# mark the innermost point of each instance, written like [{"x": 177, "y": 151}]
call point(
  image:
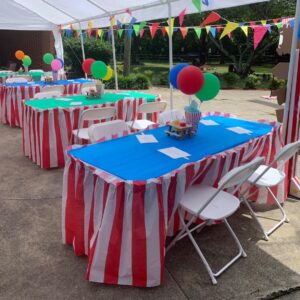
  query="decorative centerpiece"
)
[
  {"x": 100, "y": 88},
  {"x": 92, "y": 93},
  {"x": 193, "y": 115},
  {"x": 48, "y": 79},
  {"x": 179, "y": 129}
]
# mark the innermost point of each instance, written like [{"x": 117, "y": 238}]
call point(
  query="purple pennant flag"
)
[
  {"x": 129, "y": 32},
  {"x": 133, "y": 20},
  {"x": 269, "y": 28},
  {"x": 119, "y": 24},
  {"x": 109, "y": 35}
]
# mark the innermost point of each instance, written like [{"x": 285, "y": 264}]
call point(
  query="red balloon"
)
[
  {"x": 86, "y": 65},
  {"x": 190, "y": 80}
]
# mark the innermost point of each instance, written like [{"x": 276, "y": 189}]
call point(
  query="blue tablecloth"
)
[
  {"x": 128, "y": 159},
  {"x": 43, "y": 83}
]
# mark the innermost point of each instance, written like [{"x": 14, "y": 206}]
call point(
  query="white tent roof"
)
[{"x": 46, "y": 14}]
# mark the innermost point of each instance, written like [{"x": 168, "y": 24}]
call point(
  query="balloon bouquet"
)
[
  {"x": 26, "y": 60},
  {"x": 190, "y": 80},
  {"x": 98, "y": 70},
  {"x": 55, "y": 63}
]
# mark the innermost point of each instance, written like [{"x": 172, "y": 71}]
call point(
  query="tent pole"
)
[
  {"x": 82, "y": 45},
  {"x": 170, "y": 50},
  {"x": 114, "y": 56}
]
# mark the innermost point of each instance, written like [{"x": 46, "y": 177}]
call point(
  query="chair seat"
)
[
  {"x": 271, "y": 178},
  {"x": 222, "y": 206},
  {"x": 83, "y": 133},
  {"x": 140, "y": 124}
]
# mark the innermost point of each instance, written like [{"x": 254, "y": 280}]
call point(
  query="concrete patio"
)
[{"x": 35, "y": 265}]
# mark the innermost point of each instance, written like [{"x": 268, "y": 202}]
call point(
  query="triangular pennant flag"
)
[
  {"x": 119, "y": 24},
  {"x": 68, "y": 33},
  {"x": 78, "y": 33},
  {"x": 207, "y": 28},
  {"x": 229, "y": 35},
  {"x": 269, "y": 28},
  {"x": 219, "y": 28},
  {"x": 142, "y": 32},
  {"x": 213, "y": 31},
  {"x": 241, "y": 24},
  {"x": 153, "y": 29},
  {"x": 197, "y": 4},
  {"x": 275, "y": 21},
  {"x": 279, "y": 25},
  {"x": 172, "y": 23},
  {"x": 72, "y": 27},
  {"x": 213, "y": 17},
  {"x": 136, "y": 29},
  {"x": 167, "y": 28},
  {"x": 129, "y": 32},
  {"x": 132, "y": 21},
  {"x": 198, "y": 32},
  {"x": 89, "y": 32},
  {"x": 112, "y": 20},
  {"x": 181, "y": 17},
  {"x": 259, "y": 33},
  {"x": 245, "y": 30},
  {"x": 230, "y": 26},
  {"x": 263, "y": 22},
  {"x": 292, "y": 23},
  {"x": 90, "y": 24},
  {"x": 163, "y": 31},
  {"x": 252, "y": 24},
  {"x": 142, "y": 25},
  {"x": 184, "y": 31},
  {"x": 120, "y": 32},
  {"x": 100, "y": 32}
]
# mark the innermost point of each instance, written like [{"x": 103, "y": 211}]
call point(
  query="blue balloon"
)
[
  {"x": 174, "y": 73},
  {"x": 62, "y": 62}
]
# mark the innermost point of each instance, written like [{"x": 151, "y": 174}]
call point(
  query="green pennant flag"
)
[
  {"x": 279, "y": 25},
  {"x": 120, "y": 32},
  {"x": 136, "y": 29},
  {"x": 142, "y": 25},
  {"x": 198, "y": 32},
  {"x": 197, "y": 4}
]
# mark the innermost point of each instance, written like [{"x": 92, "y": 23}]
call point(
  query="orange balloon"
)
[{"x": 19, "y": 54}]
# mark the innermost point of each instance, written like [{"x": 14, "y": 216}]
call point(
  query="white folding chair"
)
[
  {"x": 106, "y": 129},
  {"x": 92, "y": 114},
  {"x": 169, "y": 116},
  {"x": 146, "y": 108},
  {"x": 267, "y": 177},
  {"x": 52, "y": 88},
  {"x": 16, "y": 79},
  {"x": 45, "y": 95},
  {"x": 211, "y": 204}
]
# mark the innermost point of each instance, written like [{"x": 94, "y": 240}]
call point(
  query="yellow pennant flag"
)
[
  {"x": 230, "y": 26},
  {"x": 90, "y": 24},
  {"x": 172, "y": 24},
  {"x": 245, "y": 29},
  {"x": 100, "y": 32},
  {"x": 167, "y": 28},
  {"x": 263, "y": 22},
  {"x": 112, "y": 21},
  {"x": 207, "y": 28}
]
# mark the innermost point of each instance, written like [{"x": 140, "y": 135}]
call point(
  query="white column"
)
[
  {"x": 170, "y": 50},
  {"x": 82, "y": 45},
  {"x": 114, "y": 56}
]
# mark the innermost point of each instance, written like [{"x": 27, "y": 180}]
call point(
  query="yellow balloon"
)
[{"x": 108, "y": 74}]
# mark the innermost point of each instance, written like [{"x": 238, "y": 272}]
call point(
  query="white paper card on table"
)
[
  {"x": 63, "y": 99},
  {"x": 75, "y": 103},
  {"x": 209, "y": 123},
  {"x": 174, "y": 152},
  {"x": 146, "y": 138},
  {"x": 239, "y": 130}
]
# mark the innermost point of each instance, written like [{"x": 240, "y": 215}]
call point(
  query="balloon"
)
[
  {"x": 56, "y": 65},
  {"x": 62, "y": 62},
  {"x": 174, "y": 74},
  {"x": 48, "y": 58},
  {"x": 86, "y": 65},
  {"x": 99, "y": 69},
  {"x": 19, "y": 54},
  {"x": 190, "y": 80},
  {"x": 210, "y": 88},
  {"x": 109, "y": 74},
  {"x": 26, "y": 60}
]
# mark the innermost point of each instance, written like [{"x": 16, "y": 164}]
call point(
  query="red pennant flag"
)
[
  {"x": 259, "y": 33},
  {"x": 142, "y": 32},
  {"x": 275, "y": 21},
  {"x": 252, "y": 24},
  {"x": 213, "y": 17},
  {"x": 89, "y": 32},
  {"x": 163, "y": 31},
  {"x": 181, "y": 17},
  {"x": 153, "y": 28},
  {"x": 184, "y": 31},
  {"x": 219, "y": 28}
]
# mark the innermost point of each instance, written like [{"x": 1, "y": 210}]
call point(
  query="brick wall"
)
[{"x": 33, "y": 43}]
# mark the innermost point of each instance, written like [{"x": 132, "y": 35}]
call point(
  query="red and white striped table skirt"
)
[
  {"x": 47, "y": 133},
  {"x": 11, "y": 98},
  {"x": 122, "y": 225}
]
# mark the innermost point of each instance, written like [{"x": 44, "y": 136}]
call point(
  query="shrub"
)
[
  {"x": 276, "y": 84},
  {"x": 231, "y": 79},
  {"x": 252, "y": 82},
  {"x": 131, "y": 82},
  {"x": 161, "y": 79}
]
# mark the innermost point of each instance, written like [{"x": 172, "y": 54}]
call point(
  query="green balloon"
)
[
  {"x": 26, "y": 61},
  {"x": 99, "y": 69},
  {"x": 210, "y": 88},
  {"x": 47, "y": 58}
]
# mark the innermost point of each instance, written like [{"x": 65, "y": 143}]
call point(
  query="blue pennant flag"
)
[
  {"x": 119, "y": 24},
  {"x": 292, "y": 23},
  {"x": 205, "y": 2},
  {"x": 133, "y": 20},
  {"x": 68, "y": 33},
  {"x": 109, "y": 35},
  {"x": 129, "y": 32},
  {"x": 213, "y": 31}
]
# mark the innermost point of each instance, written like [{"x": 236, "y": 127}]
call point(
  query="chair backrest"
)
[
  {"x": 287, "y": 152},
  {"x": 238, "y": 175},
  {"x": 16, "y": 79},
  {"x": 97, "y": 114},
  {"x": 86, "y": 89},
  {"x": 52, "y": 88},
  {"x": 50, "y": 94},
  {"x": 36, "y": 70},
  {"x": 152, "y": 107},
  {"x": 106, "y": 129},
  {"x": 170, "y": 115},
  {"x": 6, "y": 71}
]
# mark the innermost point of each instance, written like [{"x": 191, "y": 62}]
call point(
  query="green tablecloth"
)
[
  {"x": 35, "y": 75},
  {"x": 81, "y": 100}
]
